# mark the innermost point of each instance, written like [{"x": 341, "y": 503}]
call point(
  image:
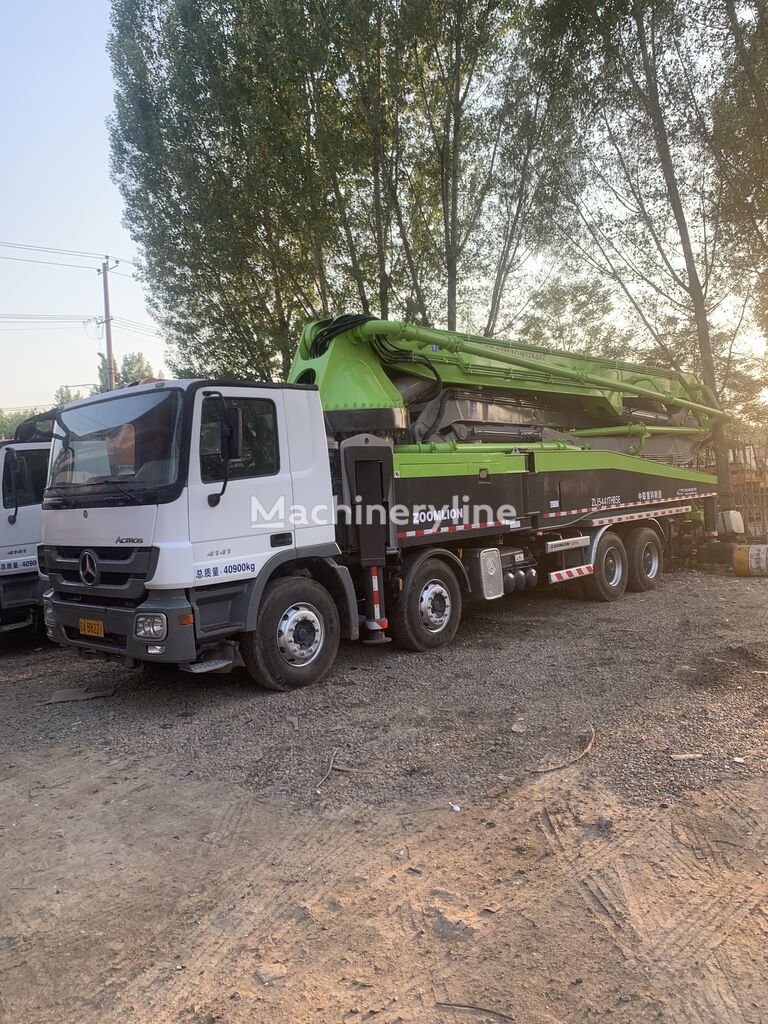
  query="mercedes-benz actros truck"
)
[{"x": 400, "y": 473}]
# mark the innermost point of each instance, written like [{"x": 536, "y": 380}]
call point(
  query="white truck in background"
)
[{"x": 23, "y": 472}]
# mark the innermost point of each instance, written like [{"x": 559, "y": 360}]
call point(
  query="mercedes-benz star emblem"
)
[{"x": 89, "y": 571}]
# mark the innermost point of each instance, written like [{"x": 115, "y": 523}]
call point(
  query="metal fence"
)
[{"x": 749, "y": 480}]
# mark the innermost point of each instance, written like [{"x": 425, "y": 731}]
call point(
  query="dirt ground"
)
[{"x": 385, "y": 847}]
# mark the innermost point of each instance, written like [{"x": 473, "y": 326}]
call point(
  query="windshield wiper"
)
[
  {"x": 60, "y": 497},
  {"x": 124, "y": 490}
]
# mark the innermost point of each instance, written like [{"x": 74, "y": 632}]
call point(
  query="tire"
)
[
  {"x": 609, "y": 577},
  {"x": 296, "y": 637},
  {"x": 646, "y": 559},
  {"x": 428, "y": 612}
]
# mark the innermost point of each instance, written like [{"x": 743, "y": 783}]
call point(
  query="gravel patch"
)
[{"x": 679, "y": 671}]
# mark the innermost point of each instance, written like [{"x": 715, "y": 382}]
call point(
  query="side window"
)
[
  {"x": 37, "y": 467},
  {"x": 259, "y": 455}
]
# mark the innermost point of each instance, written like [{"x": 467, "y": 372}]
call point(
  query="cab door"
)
[
  {"x": 19, "y": 538},
  {"x": 234, "y": 537}
]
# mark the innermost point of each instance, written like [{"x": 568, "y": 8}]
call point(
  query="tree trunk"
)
[
  {"x": 377, "y": 134},
  {"x": 452, "y": 239},
  {"x": 695, "y": 289}
]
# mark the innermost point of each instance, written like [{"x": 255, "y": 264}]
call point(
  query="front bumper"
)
[{"x": 62, "y": 619}]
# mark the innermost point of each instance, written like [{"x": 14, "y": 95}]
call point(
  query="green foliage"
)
[
  {"x": 64, "y": 394},
  {"x": 648, "y": 193},
  {"x": 572, "y": 171},
  {"x": 576, "y": 314},
  {"x": 132, "y": 368},
  {"x": 739, "y": 140},
  {"x": 283, "y": 161},
  {"x": 10, "y": 420}
]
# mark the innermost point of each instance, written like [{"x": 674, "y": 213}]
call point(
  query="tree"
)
[
  {"x": 279, "y": 164},
  {"x": 648, "y": 205},
  {"x": 103, "y": 373},
  {"x": 10, "y": 420},
  {"x": 133, "y": 367},
  {"x": 565, "y": 170},
  {"x": 738, "y": 136},
  {"x": 65, "y": 394},
  {"x": 578, "y": 314}
]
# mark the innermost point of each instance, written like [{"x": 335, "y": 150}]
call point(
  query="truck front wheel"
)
[
  {"x": 609, "y": 575},
  {"x": 296, "y": 637},
  {"x": 646, "y": 559},
  {"x": 428, "y": 611}
]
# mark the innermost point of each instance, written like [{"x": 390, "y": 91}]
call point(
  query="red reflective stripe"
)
[
  {"x": 561, "y": 575},
  {"x": 628, "y": 504},
  {"x": 629, "y": 517}
]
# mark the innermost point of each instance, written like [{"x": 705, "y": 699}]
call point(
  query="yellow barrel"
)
[{"x": 750, "y": 559}]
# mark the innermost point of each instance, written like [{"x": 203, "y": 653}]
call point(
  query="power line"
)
[
  {"x": 51, "y": 263},
  {"x": 61, "y": 252},
  {"x": 135, "y": 323},
  {"x": 32, "y": 407},
  {"x": 148, "y": 331},
  {"x": 46, "y": 318},
  {"x": 41, "y": 328}
]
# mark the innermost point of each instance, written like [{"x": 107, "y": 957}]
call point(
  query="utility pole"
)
[{"x": 108, "y": 325}]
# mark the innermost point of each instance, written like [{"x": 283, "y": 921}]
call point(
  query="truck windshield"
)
[{"x": 125, "y": 444}]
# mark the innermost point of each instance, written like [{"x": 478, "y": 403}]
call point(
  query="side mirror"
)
[
  {"x": 231, "y": 440},
  {"x": 231, "y": 434},
  {"x": 26, "y": 430},
  {"x": 18, "y": 471}
]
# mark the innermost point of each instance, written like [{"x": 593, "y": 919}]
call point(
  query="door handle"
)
[{"x": 281, "y": 540}]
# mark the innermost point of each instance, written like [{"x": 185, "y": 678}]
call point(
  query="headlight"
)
[
  {"x": 49, "y": 615},
  {"x": 151, "y": 627}
]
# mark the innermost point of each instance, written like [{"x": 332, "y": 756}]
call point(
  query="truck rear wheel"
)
[
  {"x": 296, "y": 637},
  {"x": 646, "y": 559},
  {"x": 609, "y": 576},
  {"x": 428, "y": 613}
]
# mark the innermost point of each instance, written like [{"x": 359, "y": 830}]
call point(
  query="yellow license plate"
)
[{"x": 91, "y": 627}]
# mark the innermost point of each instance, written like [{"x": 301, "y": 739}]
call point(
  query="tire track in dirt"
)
[
  {"x": 279, "y": 884},
  {"x": 673, "y": 892}
]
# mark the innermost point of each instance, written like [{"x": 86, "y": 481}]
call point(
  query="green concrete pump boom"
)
[{"x": 361, "y": 363}]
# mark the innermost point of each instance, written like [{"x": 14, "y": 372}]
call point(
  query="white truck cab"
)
[
  {"x": 23, "y": 471},
  {"x": 167, "y": 510}
]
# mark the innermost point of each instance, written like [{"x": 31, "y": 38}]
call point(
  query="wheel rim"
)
[
  {"x": 300, "y": 634},
  {"x": 613, "y": 567},
  {"x": 435, "y": 606},
  {"x": 649, "y": 560}
]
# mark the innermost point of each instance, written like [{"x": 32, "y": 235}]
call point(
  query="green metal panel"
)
[
  {"x": 412, "y": 461},
  {"x": 349, "y": 375},
  {"x": 450, "y": 459},
  {"x": 575, "y": 460}
]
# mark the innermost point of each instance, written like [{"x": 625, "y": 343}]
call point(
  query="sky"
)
[{"x": 56, "y": 192}]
